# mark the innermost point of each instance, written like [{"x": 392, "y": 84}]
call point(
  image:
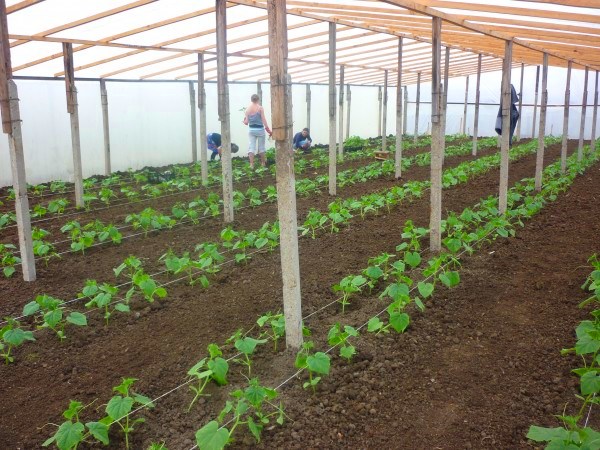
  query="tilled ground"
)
[{"x": 160, "y": 342}]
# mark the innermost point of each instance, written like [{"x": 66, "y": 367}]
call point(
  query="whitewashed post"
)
[
  {"x": 224, "y": 116},
  {"x": 398, "y": 156},
  {"x": 505, "y": 138},
  {"x": 539, "y": 162},
  {"x": 583, "y": 111},
  {"x": 332, "y": 113},
  {"x": 202, "y": 110},
  {"x": 341, "y": 116},
  {"x": 308, "y": 99},
  {"x": 73, "y": 110},
  {"x": 477, "y": 97},
  {"x": 259, "y": 92},
  {"x": 464, "y": 122},
  {"x": 594, "y": 116},
  {"x": 348, "y": 104},
  {"x": 535, "y": 101},
  {"x": 405, "y": 112},
  {"x": 193, "y": 121},
  {"x": 520, "y": 103},
  {"x": 565, "y": 136},
  {"x": 417, "y": 105},
  {"x": 105, "y": 127},
  {"x": 444, "y": 107},
  {"x": 379, "y": 109},
  {"x": 437, "y": 149},
  {"x": 384, "y": 119}
]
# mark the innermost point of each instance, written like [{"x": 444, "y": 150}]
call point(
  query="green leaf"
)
[
  {"x": 347, "y": 351},
  {"x": 31, "y": 308},
  {"x": 69, "y": 434},
  {"x": 319, "y": 363},
  {"x": 8, "y": 271},
  {"x": 119, "y": 406},
  {"x": 211, "y": 437},
  {"x": 425, "y": 289},
  {"x": 374, "y": 324},
  {"x": 143, "y": 400},
  {"x": 52, "y": 318},
  {"x": 220, "y": 367},
  {"x": 122, "y": 307},
  {"x": 590, "y": 383},
  {"x": 419, "y": 304},
  {"x": 413, "y": 259},
  {"x": 247, "y": 345},
  {"x": 99, "y": 431},
  {"x": 76, "y": 318},
  {"x": 373, "y": 272},
  {"x": 450, "y": 278},
  {"x": 399, "y": 321},
  {"x": 255, "y": 429},
  {"x": 542, "y": 434},
  {"x": 17, "y": 336}
]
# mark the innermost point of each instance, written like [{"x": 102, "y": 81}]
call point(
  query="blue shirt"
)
[
  {"x": 299, "y": 140},
  {"x": 214, "y": 141}
]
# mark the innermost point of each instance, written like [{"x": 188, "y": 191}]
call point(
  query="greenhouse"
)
[{"x": 299, "y": 224}]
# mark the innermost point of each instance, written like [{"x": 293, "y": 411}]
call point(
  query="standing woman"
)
[{"x": 257, "y": 125}]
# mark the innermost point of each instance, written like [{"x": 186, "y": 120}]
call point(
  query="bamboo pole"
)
[
  {"x": 332, "y": 113},
  {"x": 417, "y": 105},
  {"x": 286, "y": 191},
  {"x": 535, "y": 101},
  {"x": 105, "y": 127},
  {"x": 308, "y": 100},
  {"x": 565, "y": 137},
  {"x": 193, "y": 122},
  {"x": 594, "y": 116},
  {"x": 520, "y": 103},
  {"x": 379, "y": 109},
  {"x": 202, "y": 110},
  {"x": 505, "y": 139},
  {"x": 224, "y": 116},
  {"x": 437, "y": 148},
  {"x": 583, "y": 111},
  {"x": 398, "y": 156},
  {"x": 477, "y": 97},
  {"x": 341, "y": 116},
  {"x": 405, "y": 111},
  {"x": 464, "y": 122},
  {"x": 539, "y": 162},
  {"x": 384, "y": 119},
  {"x": 348, "y": 104},
  {"x": 73, "y": 110},
  {"x": 11, "y": 125}
]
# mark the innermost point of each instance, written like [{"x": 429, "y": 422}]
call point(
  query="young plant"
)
[
  {"x": 42, "y": 248},
  {"x": 8, "y": 259},
  {"x": 101, "y": 296},
  {"x": 247, "y": 346},
  {"x": 52, "y": 314},
  {"x": 316, "y": 363},
  {"x": 12, "y": 336},
  {"x": 276, "y": 323},
  {"x": 348, "y": 286},
  {"x": 58, "y": 205},
  {"x": 338, "y": 337},
  {"x": 80, "y": 239},
  {"x": 214, "y": 368}
]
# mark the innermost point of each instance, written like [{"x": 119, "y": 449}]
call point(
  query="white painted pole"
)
[
  {"x": 202, "y": 110},
  {"x": 341, "y": 116},
  {"x": 444, "y": 108},
  {"x": 405, "y": 112},
  {"x": 464, "y": 122},
  {"x": 565, "y": 136},
  {"x": 259, "y": 92},
  {"x": 384, "y": 119},
  {"x": 594, "y": 115},
  {"x": 437, "y": 148},
  {"x": 539, "y": 162},
  {"x": 398, "y": 156},
  {"x": 105, "y": 127},
  {"x": 379, "y": 109},
  {"x": 308, "y": 99},
  {"x": 535, "y": 101},
  {"x": 417, "y": 105},
  {"x": 348, "y": 104},
  {"x": 583, "y": 111},
  {"x": 224, "y": 115},
  {"x": 332, "y": 113},
  {"x": 477, "y": 97},
  {"x": 193, "y": 122},
  {"x": 520, "y": 103},
  {"x": 505, "y": 138}
]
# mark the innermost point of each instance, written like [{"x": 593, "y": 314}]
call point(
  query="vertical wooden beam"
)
[
  {"x": 398, "y": 156},
  {"x": 477, "y": 97},
  {"x": 73, "y": 110},
  {"x": 464, "y": 122},
  {"x": 11, "y": 125},
  {"x": 202, "y": 109},
  {"x": 341, "y": 116},
  {"x": 105, "y": 127},
  {"x": 286, "y": 191},
  {"x": 437, "y": 148},
  {"x": 520, "y": 102},
  {"x": 583, "y": 111},
  {"x": 444, "y": 107},
  {"x": 308, "y": 101},
  {"x": 535, "y": 101},
  {"x": 224, "y": 116},
  {"x": 384, "y": 119},
  {"x": 505, "y": 139},
  {"x": 348, "y": 104},
  {"x": 539, "y": 162},
  {"x": 594, "y": 116},
  {"x": 332, "y": 112},
  {"x": 405, "y": 111},
  {"x": 193, "y": 122},
  {"x": 259, "y": 92},
  {"x": 417, "y": 105},
  {"x": 565, "y": 136},
  {"x": 379, "y": 109}
]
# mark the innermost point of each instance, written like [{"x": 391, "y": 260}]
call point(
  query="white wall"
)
[{"x": 150, "y": 126}]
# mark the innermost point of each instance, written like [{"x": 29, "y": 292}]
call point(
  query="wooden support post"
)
[
  {"x": 332, "y": 112},
  {"x": 405, "y": 111},
  {"x": 583, "y": 111},
  {"x": 464, "y": 122},
  {"x": 417, "y": 105},
  {"x": 286, "y": 191},
  {"x": 379, "y": 109},
  {"x": 224, "y": 117},
  {"x": 259, "y": 92},
  {"x": 202, "y": 109},
  {"x": 535, "y": 101},
  {"x": 348, "y": 104},
  {"x": 505, "y": 140},
  {"x": 308, "y": 100},
  {"x": 445, "y": 97},
  {"x": 565, "y": 137},
  {"x": 73, "y": 110},
  {"x": 539, "y": 162},
  {"x": 341, "y": 116},
  {"x": 193, "y": 122},
  {"x": 477, "y": 97},
  {"x": 11, "y": 125},
  {"x": 594, "y": 116},
  {"x": 384, "y": 118},
  {"x": 398, "y": 156},
  {"x": 437, "y": 148},
  {"x": 105, "y": 127},
  {"x": 520, "y": 103}
]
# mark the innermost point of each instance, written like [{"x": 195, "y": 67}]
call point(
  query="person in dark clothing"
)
[
  {"x": 514, "y": 114},
  {"x": 213, "y": 141},
  {"x": 302, "y": 140}
]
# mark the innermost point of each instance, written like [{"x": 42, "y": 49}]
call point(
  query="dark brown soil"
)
[{"x": 158, "y": 343}]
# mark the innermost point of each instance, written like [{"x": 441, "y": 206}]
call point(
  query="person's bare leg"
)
[
  {"x": 263, "y": 159},
  {"x": 251, "y": 158}
]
